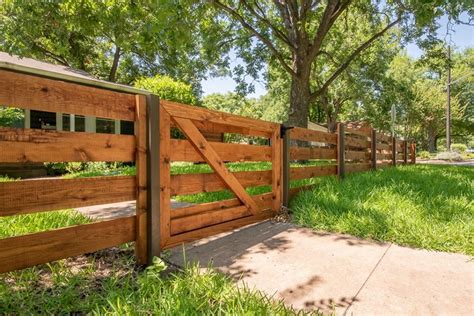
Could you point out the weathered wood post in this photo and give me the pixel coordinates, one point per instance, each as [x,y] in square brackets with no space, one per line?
[394,151]
[153,175]
[341,155]
[373,149]
[413,153]
[405,152]
[285,135]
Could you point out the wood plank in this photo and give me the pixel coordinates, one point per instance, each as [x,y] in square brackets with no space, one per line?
[277,156]
[362,131]
[384,138]
[165,176]
[213,127]
[358,167]
[306,153]
[36,145]
[313,136]
[357,142]
[384,156]
[384,146]
[200,114]
[217,164]
[30,196]
[32,92]
[312,171]
[184,151]
[296,190]
[192,183]
[28,250]
[357,155]
[264,202]
[216,229]
[212,217]
[141,248]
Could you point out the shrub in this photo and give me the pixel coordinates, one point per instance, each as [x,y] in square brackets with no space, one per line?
[424,154]
[449,156]
[460,148]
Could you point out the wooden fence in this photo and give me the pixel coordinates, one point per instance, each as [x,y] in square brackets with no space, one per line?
[154,149]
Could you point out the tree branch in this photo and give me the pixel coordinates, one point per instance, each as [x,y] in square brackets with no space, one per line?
[115,62]
[235,15]
[356,53]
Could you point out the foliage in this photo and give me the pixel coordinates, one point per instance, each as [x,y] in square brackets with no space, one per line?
[424,154]
[168,89]
[11,117]
[449,155]
[407,205]
[105,168]
[460,148]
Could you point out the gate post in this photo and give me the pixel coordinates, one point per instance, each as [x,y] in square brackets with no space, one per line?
[394,151]
[373,149]
[405,152]
[413,153]
[285,134]
[341,155]
[153,175]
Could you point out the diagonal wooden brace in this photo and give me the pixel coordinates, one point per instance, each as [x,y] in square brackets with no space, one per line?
[208,153]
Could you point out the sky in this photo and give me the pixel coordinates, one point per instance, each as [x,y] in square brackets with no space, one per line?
[462,36]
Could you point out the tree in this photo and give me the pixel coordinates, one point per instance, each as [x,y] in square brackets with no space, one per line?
[295,34]
[167,88]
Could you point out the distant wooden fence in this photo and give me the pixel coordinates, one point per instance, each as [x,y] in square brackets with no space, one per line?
[156,225]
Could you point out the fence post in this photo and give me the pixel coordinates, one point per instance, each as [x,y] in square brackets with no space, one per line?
[405,152]
[413,153]
[341,156]
[285,134]
[373,149]
[394,151]
[153,175]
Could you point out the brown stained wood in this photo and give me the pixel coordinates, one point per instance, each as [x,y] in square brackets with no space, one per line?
[295,191]
[277,156]
[357,155]
[264,202]
[413,153]
[192,183]
[384,138]
[313,136]
[304,153]
[210,127]
[216,229]
[35,145]
[311,172]
[165,176]
[30,196]
[208,218]
[199,114]
[384,156]
[217,164]
[383,146]
[356,142]
[32,92]
[363,131]
[28,250]
[358,167]
[182,150]
[141,180]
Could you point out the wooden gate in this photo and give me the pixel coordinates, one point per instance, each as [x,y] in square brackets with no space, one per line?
[178,225]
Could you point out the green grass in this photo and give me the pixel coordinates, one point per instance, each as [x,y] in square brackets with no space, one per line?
[423,206]
[108,282]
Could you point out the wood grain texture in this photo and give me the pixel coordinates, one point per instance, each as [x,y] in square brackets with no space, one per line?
[264,202]
[311,172]
[217,164]
[277,156]
[362,131]
[357,142]
[165,176]
[357,155]
[313,136]
[199,114]
[28,250]
[30,196]
[216,229]
[383,146]
[184,151]
[296,190]
[192,183]
[35,145]
[213,127]
[358,167]
[32,92]
[304,153]
[141,249]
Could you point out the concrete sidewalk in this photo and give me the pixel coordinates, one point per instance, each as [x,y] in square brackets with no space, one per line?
[332,272]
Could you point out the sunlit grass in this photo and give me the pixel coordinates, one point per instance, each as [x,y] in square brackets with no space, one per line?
[422,206]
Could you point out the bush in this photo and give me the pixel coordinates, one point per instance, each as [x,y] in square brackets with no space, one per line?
[449,156]
[424,154]
[60,168]
[459,148]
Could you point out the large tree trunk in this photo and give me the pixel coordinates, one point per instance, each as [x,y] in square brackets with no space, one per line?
[432,140]
[300,98]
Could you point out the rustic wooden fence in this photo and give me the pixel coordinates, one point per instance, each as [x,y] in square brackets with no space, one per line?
[153,148]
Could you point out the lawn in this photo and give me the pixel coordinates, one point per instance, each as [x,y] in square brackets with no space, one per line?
[423,206]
